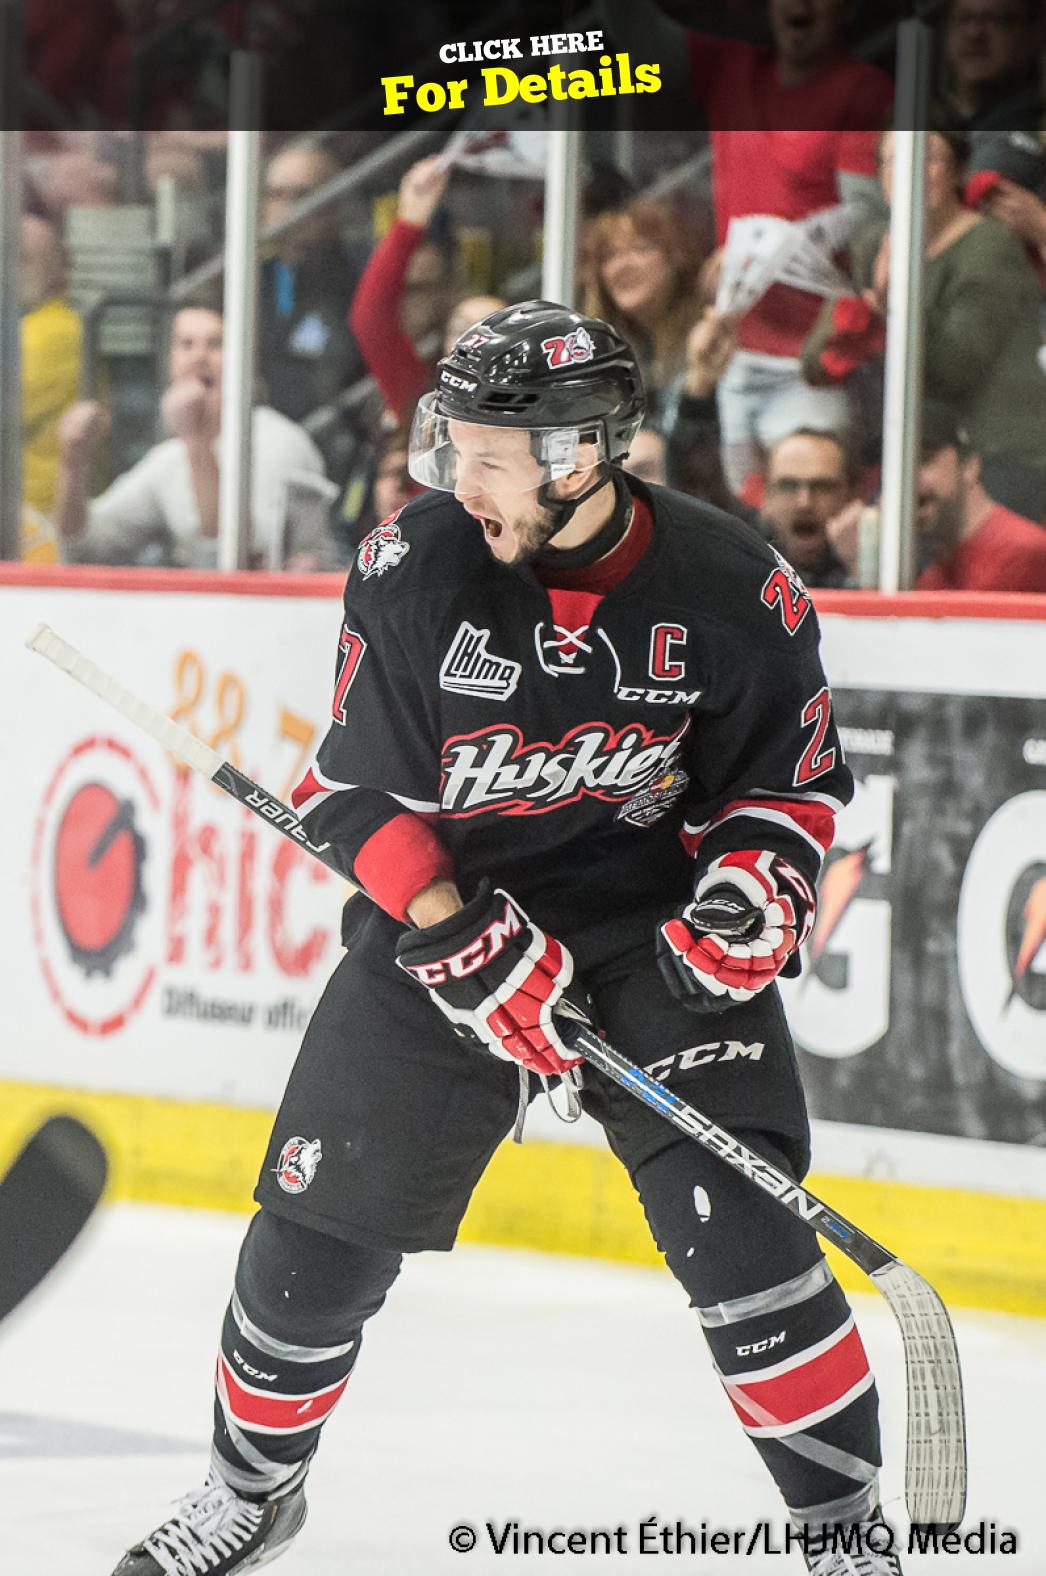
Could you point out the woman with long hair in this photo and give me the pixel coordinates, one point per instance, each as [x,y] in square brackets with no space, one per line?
[641,271]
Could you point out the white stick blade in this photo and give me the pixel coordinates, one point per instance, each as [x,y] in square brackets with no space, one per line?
[174,738]
[935,1488]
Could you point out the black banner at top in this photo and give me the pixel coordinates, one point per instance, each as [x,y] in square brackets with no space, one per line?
[383,65]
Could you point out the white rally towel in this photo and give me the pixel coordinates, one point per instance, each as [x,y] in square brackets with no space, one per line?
[762,250]
[756,250]
[517,155]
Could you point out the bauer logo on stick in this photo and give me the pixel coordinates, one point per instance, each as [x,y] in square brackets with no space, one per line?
[299,1158]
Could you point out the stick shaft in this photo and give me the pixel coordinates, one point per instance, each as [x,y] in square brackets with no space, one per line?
[848,1238]
[179,742]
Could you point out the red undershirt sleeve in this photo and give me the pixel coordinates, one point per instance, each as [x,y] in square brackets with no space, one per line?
[399,860]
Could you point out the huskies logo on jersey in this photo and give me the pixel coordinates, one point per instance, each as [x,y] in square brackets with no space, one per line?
[383,548]
[495,769]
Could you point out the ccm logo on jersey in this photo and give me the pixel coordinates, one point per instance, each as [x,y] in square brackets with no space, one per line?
[699,1055]
[382,549]
[658,697]
[475,956]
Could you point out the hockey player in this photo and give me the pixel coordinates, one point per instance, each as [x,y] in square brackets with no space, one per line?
[570,712]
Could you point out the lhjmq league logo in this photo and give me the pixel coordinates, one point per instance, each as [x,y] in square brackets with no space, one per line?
[89,891]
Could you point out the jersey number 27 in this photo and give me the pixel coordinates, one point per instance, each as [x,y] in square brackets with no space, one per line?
[785,592]
[351,646]
[816,760]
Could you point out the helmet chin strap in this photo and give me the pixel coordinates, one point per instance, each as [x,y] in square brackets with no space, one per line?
[564,509]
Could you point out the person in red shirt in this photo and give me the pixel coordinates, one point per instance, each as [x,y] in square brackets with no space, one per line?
[966,541]
[794,129]
[977,544]
[401,301]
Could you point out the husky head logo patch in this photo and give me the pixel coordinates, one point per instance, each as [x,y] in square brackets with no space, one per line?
[383,548]
[299,1158]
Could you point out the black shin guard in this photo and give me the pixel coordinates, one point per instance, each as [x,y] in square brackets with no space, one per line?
[779,1327]
[290,1340]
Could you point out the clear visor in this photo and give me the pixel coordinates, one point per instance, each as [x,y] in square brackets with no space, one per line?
[470,459]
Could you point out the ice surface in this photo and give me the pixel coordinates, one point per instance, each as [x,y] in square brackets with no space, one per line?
[494,1386]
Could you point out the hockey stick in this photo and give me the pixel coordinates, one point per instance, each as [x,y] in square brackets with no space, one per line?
[935,1475]
[46,1199]
[935,1464]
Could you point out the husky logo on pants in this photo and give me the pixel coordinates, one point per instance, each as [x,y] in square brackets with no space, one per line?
[299,1158]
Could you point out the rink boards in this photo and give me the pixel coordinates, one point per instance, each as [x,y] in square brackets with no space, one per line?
[162,950]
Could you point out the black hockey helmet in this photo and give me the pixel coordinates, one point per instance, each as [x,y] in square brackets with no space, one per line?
[565,378]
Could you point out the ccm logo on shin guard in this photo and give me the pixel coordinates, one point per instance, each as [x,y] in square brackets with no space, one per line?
[698,1055]
[475,956]
[252,1373]
[755,1347]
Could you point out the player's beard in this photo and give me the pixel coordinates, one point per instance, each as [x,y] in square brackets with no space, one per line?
[530,535]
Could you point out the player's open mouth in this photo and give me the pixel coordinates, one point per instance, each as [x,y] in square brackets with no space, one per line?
[491,528]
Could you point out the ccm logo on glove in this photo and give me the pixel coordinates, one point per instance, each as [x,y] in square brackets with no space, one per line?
[497,977]
[478,953]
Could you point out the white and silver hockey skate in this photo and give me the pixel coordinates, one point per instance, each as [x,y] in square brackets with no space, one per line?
[216,1533]
[866,1549]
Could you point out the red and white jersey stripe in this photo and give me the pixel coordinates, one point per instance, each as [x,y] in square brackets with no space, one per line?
[810,816]
[803,1389]
[315,789]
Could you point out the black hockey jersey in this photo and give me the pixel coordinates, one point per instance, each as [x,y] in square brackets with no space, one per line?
[580,749]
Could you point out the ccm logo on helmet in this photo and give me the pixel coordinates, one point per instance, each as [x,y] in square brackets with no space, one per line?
[475,956]
[563,350]
[469,385]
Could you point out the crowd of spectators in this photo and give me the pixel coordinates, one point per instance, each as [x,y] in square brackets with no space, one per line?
[765,400]
[51,355]
[983,334]
[164,510]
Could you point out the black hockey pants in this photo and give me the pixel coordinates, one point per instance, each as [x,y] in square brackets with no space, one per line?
[780,1332]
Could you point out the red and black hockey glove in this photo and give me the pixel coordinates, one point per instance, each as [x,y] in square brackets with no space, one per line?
[750,912]
[497,977]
